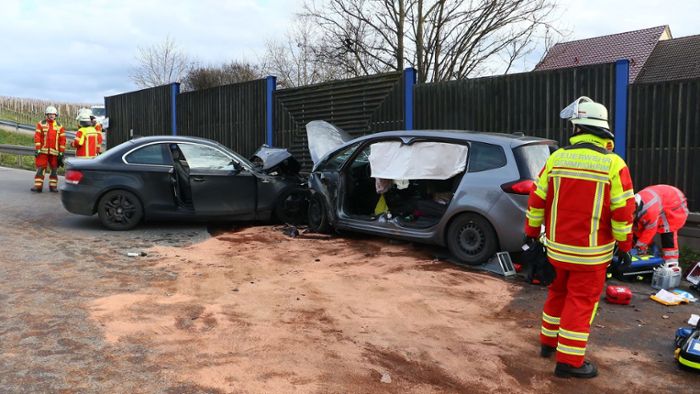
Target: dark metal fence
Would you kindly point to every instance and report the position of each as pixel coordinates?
(359, 106)
(664, 137)
(527, 102)
(141, 113)
(233, 115)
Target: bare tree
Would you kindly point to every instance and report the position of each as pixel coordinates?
(443, 39)
(203, 77)
(294, 60)
(160, 64)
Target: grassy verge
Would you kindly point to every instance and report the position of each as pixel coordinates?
(18, 161)
(10, 138)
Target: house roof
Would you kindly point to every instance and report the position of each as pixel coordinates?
(636, 46)
(674, 59)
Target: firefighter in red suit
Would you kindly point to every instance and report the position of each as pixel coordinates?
(88, 141)
(585, 201)
(50, 145)
(661, 209)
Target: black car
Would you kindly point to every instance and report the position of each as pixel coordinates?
(184, 178)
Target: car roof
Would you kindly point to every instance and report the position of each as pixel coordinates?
(515, 139)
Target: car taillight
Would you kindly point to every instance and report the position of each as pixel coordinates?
(524, 186)
(73, 177)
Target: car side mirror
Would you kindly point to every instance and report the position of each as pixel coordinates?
(237, 167)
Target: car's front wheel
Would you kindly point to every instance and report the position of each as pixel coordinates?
(471, 239)
(318, 214)
(292, 206)
(120, 210)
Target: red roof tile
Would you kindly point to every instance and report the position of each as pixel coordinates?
(636, 46)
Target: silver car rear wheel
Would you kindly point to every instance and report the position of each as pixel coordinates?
(471, 239)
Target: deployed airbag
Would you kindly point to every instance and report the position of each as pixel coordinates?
(421, 160)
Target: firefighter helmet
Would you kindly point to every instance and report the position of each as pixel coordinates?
(51, 110)
(589, 116)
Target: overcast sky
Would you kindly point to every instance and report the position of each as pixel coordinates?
(80, 51)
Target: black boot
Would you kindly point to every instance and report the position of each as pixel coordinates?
(53, 189)
(585, 371)
(36, 189)
(547, 351)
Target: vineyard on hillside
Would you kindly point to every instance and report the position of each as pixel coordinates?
(30, 111)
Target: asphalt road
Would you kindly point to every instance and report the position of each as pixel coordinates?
(52, 263)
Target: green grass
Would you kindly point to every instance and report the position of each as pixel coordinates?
(10, 138)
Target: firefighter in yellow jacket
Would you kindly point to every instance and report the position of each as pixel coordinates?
(88, 141)
(585, 200)
(50, 145)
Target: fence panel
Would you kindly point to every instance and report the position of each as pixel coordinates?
(527, 102)
(359, 106)
(663, 142)
(145, 112)
(233, 115)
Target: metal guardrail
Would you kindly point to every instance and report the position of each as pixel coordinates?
(25, 150)
(69, 133)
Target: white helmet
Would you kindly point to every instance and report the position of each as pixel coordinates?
(84, 115)
(51, 110)
(591, 116)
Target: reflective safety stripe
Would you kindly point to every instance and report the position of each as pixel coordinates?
(553, 217)
(620, 229)
(650, 226)
(688, 363)
(580, 175)
(541, 192)
(584, 250)
(670, 252)
(595, 311)
(622, 197)
(550, 319)
(595, 217)
(573, 335)
(575, 351)
(549, 333)
(583, 260)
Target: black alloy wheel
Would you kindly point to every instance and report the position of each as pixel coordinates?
(120, 210)
(292, 206)
(318, 214)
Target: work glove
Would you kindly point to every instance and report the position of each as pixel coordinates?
(60, 159)
(37, 152)
(530, 241)
(624, 259)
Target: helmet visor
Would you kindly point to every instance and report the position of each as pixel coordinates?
(571, 110)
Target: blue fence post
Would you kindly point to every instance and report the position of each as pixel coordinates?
(174, 91)
(409, 78)
(270, 89)
(622, 71)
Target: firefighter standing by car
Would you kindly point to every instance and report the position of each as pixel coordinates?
(88, 140)
(50, 145)
(661, 209)
(585, 200)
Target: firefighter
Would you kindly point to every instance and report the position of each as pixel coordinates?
(50, 145)
(585, 200)
(88, 141)
(661, 209)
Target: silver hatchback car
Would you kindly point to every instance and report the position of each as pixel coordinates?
(464, 190)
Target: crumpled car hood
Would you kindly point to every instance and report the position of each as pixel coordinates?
(269, 160)
(324, 137)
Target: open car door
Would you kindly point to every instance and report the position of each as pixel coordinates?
(220, 186)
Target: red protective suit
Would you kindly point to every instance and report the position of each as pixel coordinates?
(87, 142)
(50, 142)
(664, 210)
(584, 198)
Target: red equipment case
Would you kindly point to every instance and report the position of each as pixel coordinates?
(618, 295)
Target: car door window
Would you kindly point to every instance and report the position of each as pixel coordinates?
(484, 157)
(149, 154)
(201, 157)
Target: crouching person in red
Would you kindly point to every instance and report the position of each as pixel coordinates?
(585, 200)
(661, 209)
(50, 145)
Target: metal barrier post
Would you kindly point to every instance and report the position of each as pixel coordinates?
(270, 89)
(622, 70)
(409, 79)
(174, 91)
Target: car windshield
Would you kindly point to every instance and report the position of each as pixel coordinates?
(98, 111)
(531, 159)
